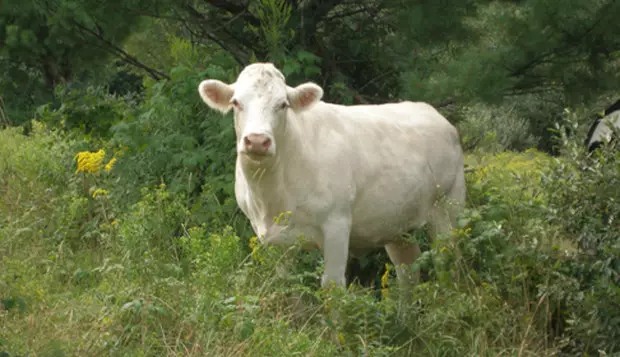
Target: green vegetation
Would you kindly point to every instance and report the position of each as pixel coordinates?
(120, 235)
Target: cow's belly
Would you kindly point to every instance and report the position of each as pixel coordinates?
(381, 217)
(378, 231)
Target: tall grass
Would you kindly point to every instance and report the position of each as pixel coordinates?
(84, 274)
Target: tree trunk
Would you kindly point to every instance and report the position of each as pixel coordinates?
(55, 73)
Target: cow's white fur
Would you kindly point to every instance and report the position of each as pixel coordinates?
(354, 177)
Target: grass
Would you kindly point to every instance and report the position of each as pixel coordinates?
(84, 276)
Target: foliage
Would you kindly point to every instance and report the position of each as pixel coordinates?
(502, 56)
(174, 138)
(495, 129)
(494, 53)
(586, 206)
(274, 16)
(62, 38)
(44, 44)
(21, 90)
(465, 54)
(91, 111)
(163, 274)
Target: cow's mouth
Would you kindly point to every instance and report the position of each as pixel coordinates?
(255, 156)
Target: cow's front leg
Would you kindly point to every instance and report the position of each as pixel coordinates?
(336, 233)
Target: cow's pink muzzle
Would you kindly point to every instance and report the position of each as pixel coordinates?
(256, 143)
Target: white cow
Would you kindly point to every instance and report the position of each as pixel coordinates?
(601, 127)
(353, 177)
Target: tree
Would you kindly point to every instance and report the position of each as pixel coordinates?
(539, 56)
(47, 43)
(61, 37)
(346, 36)
(462, 52)
(516, 48)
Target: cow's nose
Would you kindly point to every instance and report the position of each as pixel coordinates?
(257, 143)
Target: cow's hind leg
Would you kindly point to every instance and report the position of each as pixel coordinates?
(403, 254)
(445, 211)
(443, 216)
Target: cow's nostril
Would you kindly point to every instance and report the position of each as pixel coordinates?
(257, 143)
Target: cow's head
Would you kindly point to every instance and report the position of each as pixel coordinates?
(262, 103)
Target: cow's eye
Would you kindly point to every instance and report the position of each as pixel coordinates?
(235, 103)
(283, 105)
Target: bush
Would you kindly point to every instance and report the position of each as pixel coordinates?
(586, 191)
(542, 231)
(90, 111)
(495, 129)
(175, 139)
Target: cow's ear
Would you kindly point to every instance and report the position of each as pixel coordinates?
(304, 96)
(216, 94)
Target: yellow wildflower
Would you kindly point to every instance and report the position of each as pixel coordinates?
(384, 280)
(110, 164)
(194, 230)
(253, 242)
(99, 192)
(283, 218)
(341, 338)
(38, 127)
(89, 162)
(255, 246)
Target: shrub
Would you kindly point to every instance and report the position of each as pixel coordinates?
(495, 129)
(585, 204)
(174, 139)
(90, 111)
